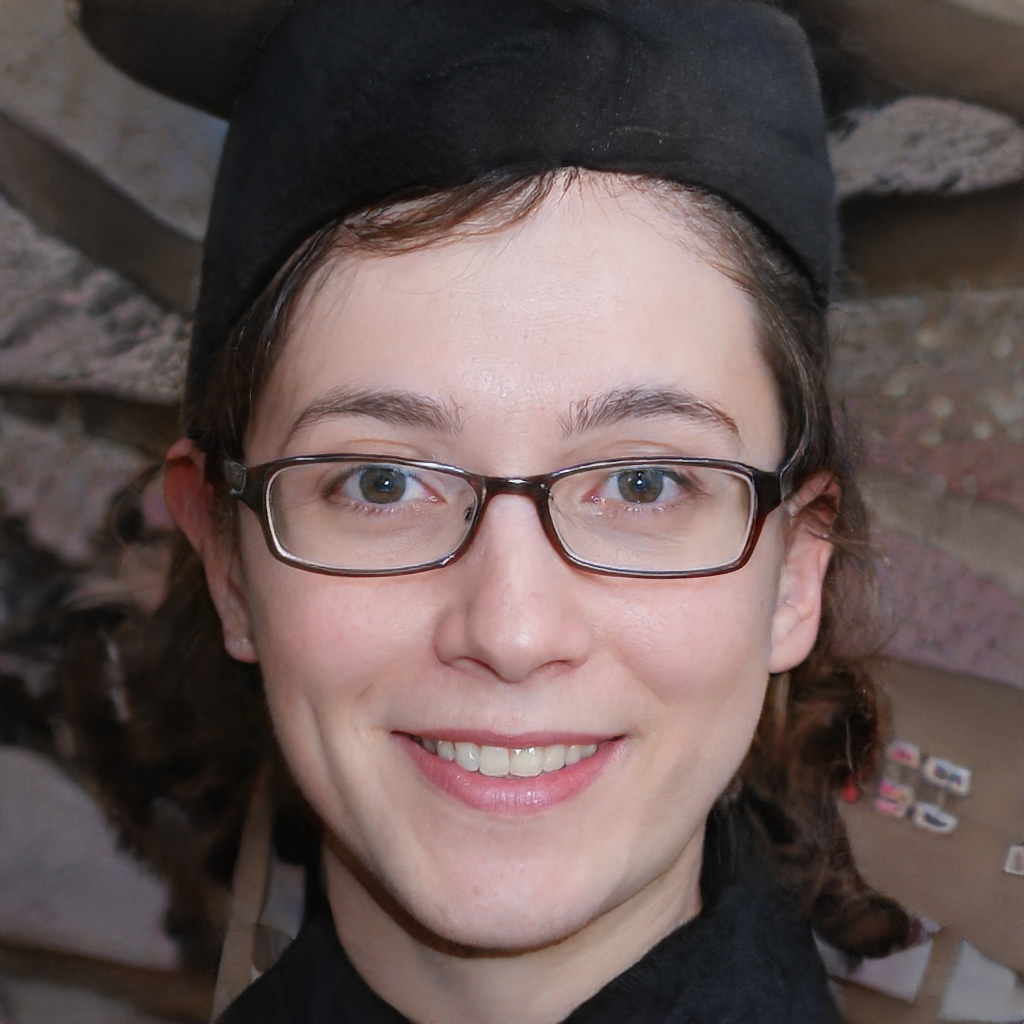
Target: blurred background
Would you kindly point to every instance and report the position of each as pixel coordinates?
(104, 188)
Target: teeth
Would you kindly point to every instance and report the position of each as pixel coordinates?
(554, 757)
(526, 762)
(467, 755)
(518, 762)
(494, 761)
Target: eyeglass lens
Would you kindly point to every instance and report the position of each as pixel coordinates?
(379, 517)
(653, 518)
(369, 517)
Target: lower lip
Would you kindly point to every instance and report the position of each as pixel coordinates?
(510, 796)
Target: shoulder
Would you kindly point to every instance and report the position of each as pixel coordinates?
(747, 957)
(762, 961)
(293, 985)
(312, 982)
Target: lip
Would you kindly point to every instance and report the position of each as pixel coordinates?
(519, 740)
(512, 797)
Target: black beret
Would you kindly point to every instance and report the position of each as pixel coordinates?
(351, 102)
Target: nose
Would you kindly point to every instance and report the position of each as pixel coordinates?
(516, 607)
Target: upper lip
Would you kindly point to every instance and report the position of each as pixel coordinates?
(517, 741)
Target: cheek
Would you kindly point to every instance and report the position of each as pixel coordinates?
(700, 637)
(331, 651)
(310, 626)
(335, 655)
(701, 648)
(324, 639)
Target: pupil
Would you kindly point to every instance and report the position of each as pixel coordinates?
(641, 485)
(382, 485)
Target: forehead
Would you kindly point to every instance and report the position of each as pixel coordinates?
(515, 330)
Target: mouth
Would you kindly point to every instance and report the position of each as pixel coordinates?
(511, 775)
(526, 762)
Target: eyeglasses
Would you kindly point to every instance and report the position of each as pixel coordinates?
(364, 515)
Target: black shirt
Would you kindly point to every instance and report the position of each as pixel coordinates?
(747, 957)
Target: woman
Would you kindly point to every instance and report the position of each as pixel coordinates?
(512, 473)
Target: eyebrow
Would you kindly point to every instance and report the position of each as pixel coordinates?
(400, 407)
(407, 408)
(642, 403)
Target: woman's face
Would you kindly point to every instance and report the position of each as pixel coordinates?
(578, 335)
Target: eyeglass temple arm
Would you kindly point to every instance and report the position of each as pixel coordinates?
(247, 489)
(788, 468)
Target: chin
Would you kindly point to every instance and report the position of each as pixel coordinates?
(516, 922)
(492, 902)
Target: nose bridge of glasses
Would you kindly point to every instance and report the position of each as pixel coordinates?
(534, 488)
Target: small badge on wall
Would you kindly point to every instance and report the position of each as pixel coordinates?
(946, 775)
(933, 818)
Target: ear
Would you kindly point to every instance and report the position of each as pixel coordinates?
(798, 605)
(191, 501)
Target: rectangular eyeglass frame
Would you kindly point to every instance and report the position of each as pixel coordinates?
(252, 485)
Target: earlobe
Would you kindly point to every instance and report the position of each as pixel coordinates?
(192, 504)
(798, 606)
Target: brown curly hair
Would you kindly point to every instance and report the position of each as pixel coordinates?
(199, 728)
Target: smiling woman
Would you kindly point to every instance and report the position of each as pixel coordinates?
(515, 486)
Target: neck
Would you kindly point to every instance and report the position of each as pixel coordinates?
(425, 980)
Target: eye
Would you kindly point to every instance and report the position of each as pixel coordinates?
(641, 486)
(379, 485)
(382, 484)
(645, 485)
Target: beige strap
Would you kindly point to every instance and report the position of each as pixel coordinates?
(248, 890)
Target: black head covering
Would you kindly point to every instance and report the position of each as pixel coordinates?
(350, 102)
